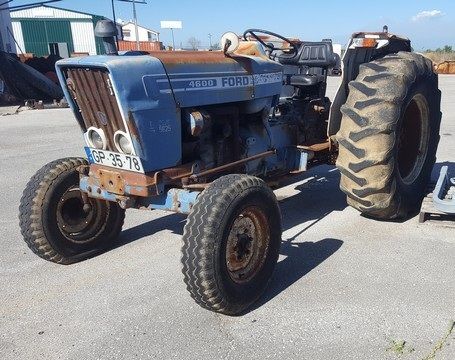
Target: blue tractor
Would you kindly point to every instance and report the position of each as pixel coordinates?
(203, 133)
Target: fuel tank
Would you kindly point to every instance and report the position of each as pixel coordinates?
(142, 95)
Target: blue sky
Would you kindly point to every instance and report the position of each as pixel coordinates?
(429, 24)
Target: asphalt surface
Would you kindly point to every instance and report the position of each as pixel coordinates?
(345, 287)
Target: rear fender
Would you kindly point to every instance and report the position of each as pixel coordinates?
(358, 52)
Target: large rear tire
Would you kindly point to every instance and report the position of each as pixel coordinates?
(389, 135)
(53, 220)
(231, 243)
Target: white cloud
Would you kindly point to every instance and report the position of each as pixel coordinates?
(427, 14)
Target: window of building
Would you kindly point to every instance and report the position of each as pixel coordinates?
(150, 36)
(126, 33)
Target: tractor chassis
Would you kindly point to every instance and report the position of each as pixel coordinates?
(176, 189)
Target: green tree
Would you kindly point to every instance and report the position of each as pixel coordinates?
(447, 49)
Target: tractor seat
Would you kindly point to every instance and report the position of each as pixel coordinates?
(311, 55)
(303, 79)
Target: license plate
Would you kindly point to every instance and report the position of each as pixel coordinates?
(116, 160)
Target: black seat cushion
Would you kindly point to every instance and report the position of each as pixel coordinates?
(310, 54)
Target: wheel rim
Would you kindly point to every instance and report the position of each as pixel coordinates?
(76, 224)
(413, 140)
(247, 244)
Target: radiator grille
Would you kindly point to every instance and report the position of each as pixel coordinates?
(93, 94)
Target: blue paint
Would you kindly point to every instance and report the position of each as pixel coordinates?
(89, 155)
(152, 96)
(96, 192)
(176, 200)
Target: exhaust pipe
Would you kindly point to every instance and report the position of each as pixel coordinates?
(107, 30)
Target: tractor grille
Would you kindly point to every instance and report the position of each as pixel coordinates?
(93, 93)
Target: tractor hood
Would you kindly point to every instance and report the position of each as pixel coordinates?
(142, 95)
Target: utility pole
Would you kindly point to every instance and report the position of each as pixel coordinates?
(210, 40)
(138, 46)
(166, 24)
(173, 41)
(136, 28)
(115, 22)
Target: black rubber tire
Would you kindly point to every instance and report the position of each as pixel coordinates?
(205, 237)
(369, 136)
(38, 219)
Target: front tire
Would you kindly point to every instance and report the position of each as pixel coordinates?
(231, 243)
(389, 135)
(53, 220)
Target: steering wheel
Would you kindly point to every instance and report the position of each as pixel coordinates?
(253, 32)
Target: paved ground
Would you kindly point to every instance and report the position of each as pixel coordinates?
(345, 288)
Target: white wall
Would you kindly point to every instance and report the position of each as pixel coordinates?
(7, 42)
(143, 33)
(17, 31)
(83, 37)
(47, 12)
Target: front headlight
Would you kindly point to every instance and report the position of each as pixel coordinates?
(123, 143)
(96, 138)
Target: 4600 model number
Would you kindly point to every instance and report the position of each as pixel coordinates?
(116, 160)
(202, 83)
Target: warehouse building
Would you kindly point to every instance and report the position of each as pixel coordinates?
(45, 30)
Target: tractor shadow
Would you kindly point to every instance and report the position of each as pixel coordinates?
(318, 197)
(173, 222)
(314, 195)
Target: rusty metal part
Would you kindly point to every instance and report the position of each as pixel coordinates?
(196, 186)
(72, 219)
(247, 244)
(192, 57)
(315, 147)
(221, 168)
(132, 183)
(93, 93)
(173, 58)
(111, 181)
(251, 48)
(124, 182)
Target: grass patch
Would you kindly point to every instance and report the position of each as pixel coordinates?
(399, 347)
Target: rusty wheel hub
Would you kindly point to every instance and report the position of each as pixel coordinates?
(76, 222)
(247, 244)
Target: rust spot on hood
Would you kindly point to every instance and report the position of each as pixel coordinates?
(171, 59)
(192, 57)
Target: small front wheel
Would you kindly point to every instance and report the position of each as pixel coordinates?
(231, 243)
(55, 223)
